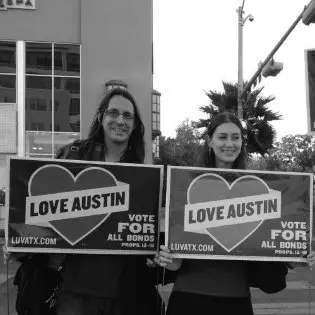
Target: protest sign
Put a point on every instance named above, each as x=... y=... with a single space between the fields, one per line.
x=82 y=207
x=238 y=215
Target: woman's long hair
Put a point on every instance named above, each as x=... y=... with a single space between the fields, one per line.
x=135 y=151
x=219 y=119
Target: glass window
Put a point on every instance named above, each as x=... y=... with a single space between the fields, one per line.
x=42 y=106
x=38 y=58
x=32 y=104
x=57 y=103
x=156 y=147
x=68 y=96
x=58 y=61
x=7 y=57
x=52 y=97
x=72 y=85
x=67 y=60
x=38 y=82
x=8 y=132
x=38 y=142
x=7 y=88
x=38 y=94
x=61 y=139
x=74 y=107
x=37 y=126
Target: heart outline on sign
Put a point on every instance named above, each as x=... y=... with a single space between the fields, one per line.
x=74 y=178
x=229 y=186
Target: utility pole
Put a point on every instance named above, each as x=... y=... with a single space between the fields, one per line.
x=240 y=82
x=308 y=17
x=271 y=54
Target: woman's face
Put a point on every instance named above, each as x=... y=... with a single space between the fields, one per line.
x=118 y=121
x=226 y=143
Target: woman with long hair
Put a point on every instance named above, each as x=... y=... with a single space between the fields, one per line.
x=220 y=286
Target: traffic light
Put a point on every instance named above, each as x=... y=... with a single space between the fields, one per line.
x=272 y=68
x=308 y=16
x=310 y=88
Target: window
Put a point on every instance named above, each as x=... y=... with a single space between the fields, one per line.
x=66 y=60
x=37 y=126
x=7 y=57
x=50 y=105
x=156 y=148
x=52 y=76
x=8 y=97
x=155 y=113
x=38 y=58
x=7 y=72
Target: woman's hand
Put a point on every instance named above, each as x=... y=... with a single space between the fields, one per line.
x=165 y=259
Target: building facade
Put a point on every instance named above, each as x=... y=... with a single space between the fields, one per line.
x=55 y=60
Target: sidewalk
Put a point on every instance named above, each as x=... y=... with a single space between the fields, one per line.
x=4 y=297
x=306 y=308
x=297 y=299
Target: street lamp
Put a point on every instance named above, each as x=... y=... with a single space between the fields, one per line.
x=240 y=85
x=268 y=66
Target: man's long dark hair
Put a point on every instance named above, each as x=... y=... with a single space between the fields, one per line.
x=135 y=151
x=219 y=119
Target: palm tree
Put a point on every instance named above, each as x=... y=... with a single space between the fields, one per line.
x=256 y=114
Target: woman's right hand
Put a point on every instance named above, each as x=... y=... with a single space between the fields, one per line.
x=165 y=259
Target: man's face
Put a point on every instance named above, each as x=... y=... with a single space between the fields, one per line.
x=118 y=121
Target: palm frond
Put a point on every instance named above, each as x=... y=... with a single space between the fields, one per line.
x=256 y=113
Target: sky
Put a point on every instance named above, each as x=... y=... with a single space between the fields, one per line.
x=196 y=48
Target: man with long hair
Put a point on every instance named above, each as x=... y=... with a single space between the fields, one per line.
x=109 y=284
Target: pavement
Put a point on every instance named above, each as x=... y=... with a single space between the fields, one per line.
x=297 y=299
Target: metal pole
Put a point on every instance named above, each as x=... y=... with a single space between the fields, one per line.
x=240 y=84
x=271 y=54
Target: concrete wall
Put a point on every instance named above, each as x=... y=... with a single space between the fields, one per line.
x=116 y=37
x=2 y=170
x=53 y=20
